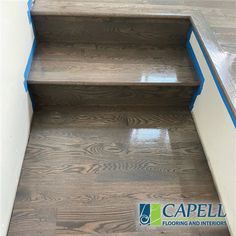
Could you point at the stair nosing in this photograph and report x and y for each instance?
(138, 84)
(110, 14)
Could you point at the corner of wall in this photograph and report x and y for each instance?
(16, 42)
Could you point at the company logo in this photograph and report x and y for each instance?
(150, 214)
(170, 214)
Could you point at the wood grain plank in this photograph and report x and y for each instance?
(108, 193)
(39, 219)
(96, 219)
(52, 95)
(105, 30)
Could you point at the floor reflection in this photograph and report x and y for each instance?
(169, 77)
(149, 135)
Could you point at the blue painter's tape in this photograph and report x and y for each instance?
(29, 16)
(28, 65)
(29, 4)
(31, 55)
(201, 76)
(190, 30)
(196, 67)
(199, 73)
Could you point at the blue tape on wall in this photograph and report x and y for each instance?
(201, 76)
(29, 4)
(31, 55)
(196, 67)
(28, 65)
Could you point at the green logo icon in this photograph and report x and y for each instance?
(155, 214)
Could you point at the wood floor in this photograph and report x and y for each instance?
(86, 169)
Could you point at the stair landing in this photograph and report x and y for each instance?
(86, 169)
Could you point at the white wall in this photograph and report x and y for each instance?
(16, 109)
(218, 137)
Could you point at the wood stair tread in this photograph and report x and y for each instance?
(90, 64)
(110, 8)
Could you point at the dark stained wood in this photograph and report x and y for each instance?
(45, 95)
(214, 20)
(86, 170)
(111, 75)
(105, 30)
(94, 64)
(69, 196)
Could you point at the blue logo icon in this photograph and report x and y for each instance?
(144, 214)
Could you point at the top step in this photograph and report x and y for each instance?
(70, 22)
(107, 8)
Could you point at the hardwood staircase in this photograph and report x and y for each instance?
(118, 61)
(111, 126)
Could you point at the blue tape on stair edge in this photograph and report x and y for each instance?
(28, 65)
(199, 73)
(27, 71)
(29, 4)
(29, 16)
(31, 55)
(201, 76)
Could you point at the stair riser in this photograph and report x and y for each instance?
(111, 30)
(45, 95)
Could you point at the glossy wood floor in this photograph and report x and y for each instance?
(99, 64)
(86, 169)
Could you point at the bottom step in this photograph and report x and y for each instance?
(86, 170)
